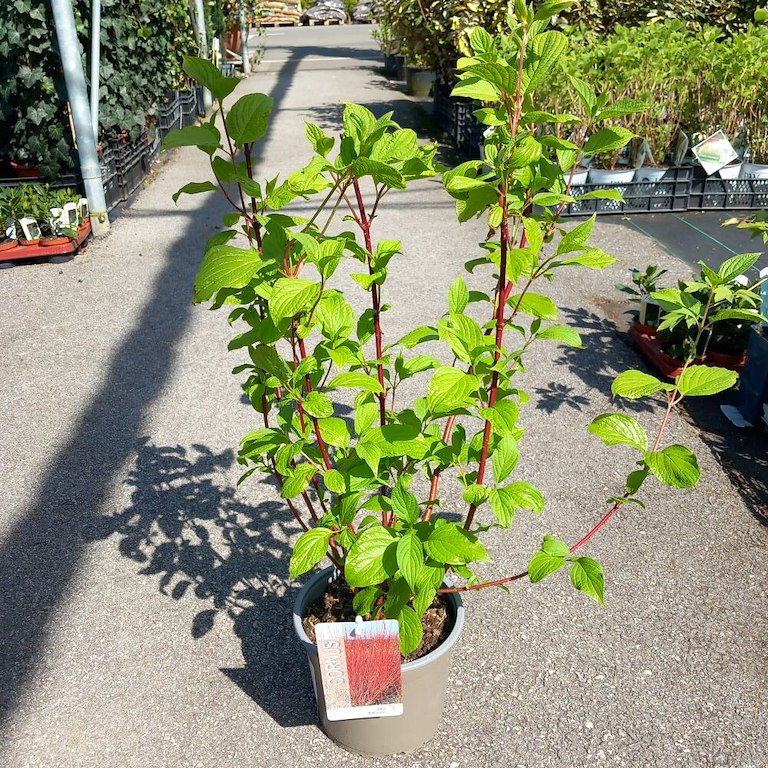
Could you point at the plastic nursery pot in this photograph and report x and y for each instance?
(23, 241)
(722, 360)
(50, 241)
(7, 245)
(753, 386)
(650, 174)
(418, 82)
(424, 684)
(390, 65)
(754, 171)
(400, 66)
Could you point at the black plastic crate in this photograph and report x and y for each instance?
(727, 194)
(188, 104)
(671, 193)
(169, 113)
(131, 162)
(109, 177)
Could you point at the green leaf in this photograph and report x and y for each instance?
(503, 506)
(291, 296)
(705, 380)
(297, 481)
(636, 479)
(476, 494)
(381, 173)
(619, 429)
(364, 566)
(225, 266)
(334, 431)
(411, 631)
(365, 415)
(334, 481)
(450, 543)
(268, 359)
(355, 380)
(364, 601)
(561, 333)
(607, 140)
(503, 417)
(205, 136)
(505, 457)
(410, 558)
(458, 296)
(404, 505)
(554, 547)
(449, 390)
(194, 188)
(587, 577)
(417, 336)
(636, 384)
(535, 305)
(321, 143)
(318, 405)
(248, 118)
(525, 496)
(542, 565)
(737, 265)
(591, 258)
(310, 548)
(464, 336)
(549, 48)
(750, 315)
(205, 73)
(474, 87)
(576, 238)
(675, 466)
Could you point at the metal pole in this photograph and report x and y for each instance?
(244, 37)
(203, 42)
(74, 76)
(95, 60)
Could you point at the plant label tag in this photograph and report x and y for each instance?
(360, 668)
(715, 152)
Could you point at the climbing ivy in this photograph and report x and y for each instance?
(142, 46)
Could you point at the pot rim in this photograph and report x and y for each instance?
(330, 573)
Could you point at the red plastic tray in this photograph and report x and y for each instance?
(35, 251)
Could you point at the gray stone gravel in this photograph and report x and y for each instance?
(123, 648)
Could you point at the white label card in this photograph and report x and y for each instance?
(360, 669)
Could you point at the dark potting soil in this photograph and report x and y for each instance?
(336, 605)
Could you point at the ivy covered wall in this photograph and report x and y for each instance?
(142, 46)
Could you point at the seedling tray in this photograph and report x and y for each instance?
(35, 251)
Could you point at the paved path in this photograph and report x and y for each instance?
(142, 603)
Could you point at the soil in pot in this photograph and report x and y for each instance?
(336, 605)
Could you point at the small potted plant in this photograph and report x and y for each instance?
(646, 319)
(365, 492)
(8, 238)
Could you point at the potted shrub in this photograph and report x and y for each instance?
(389, 46)
(366, 493)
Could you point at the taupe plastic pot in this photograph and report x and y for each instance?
(424, 684)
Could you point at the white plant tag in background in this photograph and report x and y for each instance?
(360, 668)
(715, 152)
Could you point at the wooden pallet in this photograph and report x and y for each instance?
(322, 22)
(274, 24)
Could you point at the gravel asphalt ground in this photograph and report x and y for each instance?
(145, 604)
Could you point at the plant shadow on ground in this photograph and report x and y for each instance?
(608, 351)
(604, 355)
(186, 527)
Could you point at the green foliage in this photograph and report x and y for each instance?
(142, 45)
(392, 540)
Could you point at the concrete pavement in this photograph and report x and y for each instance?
(145, 604)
